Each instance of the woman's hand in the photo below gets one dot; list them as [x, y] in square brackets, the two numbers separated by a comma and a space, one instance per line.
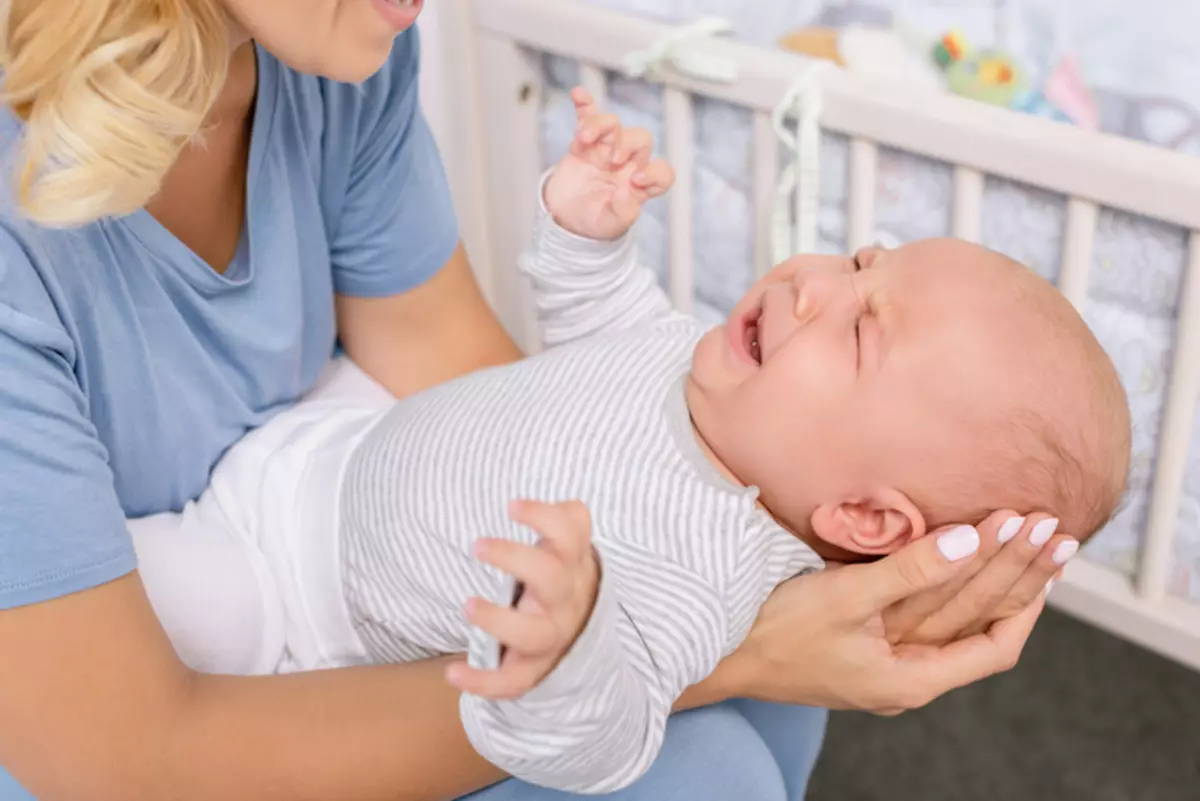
[821, 639]
[1017, 559]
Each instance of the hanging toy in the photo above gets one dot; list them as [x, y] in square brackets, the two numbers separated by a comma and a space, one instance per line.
[950, 49]
[989, 76]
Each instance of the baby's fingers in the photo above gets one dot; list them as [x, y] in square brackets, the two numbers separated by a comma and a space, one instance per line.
[565, 527]
[597, 127]
[655, 179]
[520, 631]
[633, 144]
[510, 682]
[585, 104]
[541, 571]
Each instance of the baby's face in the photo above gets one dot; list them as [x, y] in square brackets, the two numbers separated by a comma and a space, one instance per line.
[852, 388]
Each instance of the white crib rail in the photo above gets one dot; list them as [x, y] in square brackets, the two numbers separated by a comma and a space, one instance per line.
[595, 80]
[1091, 170]
[968, 197]
[510, 90]
[864, 157]
[766, 179]
[680, 135]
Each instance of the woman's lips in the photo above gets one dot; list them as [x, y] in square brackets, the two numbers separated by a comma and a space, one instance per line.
[400, 14]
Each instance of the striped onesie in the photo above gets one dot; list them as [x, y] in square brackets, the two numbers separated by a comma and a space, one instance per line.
[686, 557]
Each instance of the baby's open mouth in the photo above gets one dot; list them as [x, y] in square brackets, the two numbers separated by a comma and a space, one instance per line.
[744, 336]
[751, 336]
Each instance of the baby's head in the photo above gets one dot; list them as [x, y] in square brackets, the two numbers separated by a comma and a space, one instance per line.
[874, 398]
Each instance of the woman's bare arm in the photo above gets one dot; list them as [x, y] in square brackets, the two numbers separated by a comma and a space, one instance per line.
[96, 705]
[436, 332]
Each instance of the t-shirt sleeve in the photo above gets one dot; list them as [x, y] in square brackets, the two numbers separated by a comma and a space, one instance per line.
[396, 226]
[61, 525]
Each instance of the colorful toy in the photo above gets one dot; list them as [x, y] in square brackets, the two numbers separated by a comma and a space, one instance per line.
[950, 49]
[990, 76]
[1067, 91]
[880, 52]
[819, 43]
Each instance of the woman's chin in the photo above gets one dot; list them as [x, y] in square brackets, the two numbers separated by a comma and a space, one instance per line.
[356, 67]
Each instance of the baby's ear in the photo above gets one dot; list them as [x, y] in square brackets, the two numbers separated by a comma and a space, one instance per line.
[873, 526]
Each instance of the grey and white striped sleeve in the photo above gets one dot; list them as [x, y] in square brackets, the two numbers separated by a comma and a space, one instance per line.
[597, 722]
[584, 287]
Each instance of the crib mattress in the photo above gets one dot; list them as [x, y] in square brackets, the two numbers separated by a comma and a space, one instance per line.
[1131, 304]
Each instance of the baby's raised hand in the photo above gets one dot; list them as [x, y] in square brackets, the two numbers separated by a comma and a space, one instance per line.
[559, 577]
[598, 189]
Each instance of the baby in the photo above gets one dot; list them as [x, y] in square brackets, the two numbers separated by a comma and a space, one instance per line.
[842, 411]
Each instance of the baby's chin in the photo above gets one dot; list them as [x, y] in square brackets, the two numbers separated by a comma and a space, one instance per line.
[710, 371]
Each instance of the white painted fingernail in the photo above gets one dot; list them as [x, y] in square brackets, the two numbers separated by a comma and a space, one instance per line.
[1064, 551]
[1050, 585]
[1042, 532]
[959, 543]
[1010, 528]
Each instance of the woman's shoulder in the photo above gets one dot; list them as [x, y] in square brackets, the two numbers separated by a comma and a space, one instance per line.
[26, 287]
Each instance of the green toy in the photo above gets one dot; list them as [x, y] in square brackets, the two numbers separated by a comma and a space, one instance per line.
[990, 76]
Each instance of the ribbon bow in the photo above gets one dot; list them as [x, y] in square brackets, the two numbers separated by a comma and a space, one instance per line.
[803, 175]
[676, 50]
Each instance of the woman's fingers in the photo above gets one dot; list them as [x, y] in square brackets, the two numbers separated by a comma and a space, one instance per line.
[906, 616]
[932, 672]
[1032, 584]
[992, 585]
[929, 562]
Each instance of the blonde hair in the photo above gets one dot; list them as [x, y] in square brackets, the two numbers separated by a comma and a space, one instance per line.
[110, 91]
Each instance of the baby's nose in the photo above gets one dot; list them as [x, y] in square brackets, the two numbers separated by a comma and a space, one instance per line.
[816, 290]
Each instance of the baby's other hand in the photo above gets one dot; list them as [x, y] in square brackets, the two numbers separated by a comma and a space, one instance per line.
[559, 576]
[598, 189]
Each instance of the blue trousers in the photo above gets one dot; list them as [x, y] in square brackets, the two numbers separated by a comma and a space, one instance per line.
[737, 750]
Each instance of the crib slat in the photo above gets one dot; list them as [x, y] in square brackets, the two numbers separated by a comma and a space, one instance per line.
[1175, 436]
[680, 124]
[968, 199]
[766, 176]
[864, 157]
[595, 80]
[1077, 251]
[510, 90]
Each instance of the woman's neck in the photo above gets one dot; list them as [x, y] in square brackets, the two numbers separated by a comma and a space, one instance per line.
[233, 106]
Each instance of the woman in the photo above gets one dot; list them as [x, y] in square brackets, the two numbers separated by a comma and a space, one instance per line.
[162, 292]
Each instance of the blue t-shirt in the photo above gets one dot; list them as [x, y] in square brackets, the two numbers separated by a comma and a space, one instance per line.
[128, 366]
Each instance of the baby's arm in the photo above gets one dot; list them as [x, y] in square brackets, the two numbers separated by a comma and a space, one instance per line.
[595, 722]
[584, 262]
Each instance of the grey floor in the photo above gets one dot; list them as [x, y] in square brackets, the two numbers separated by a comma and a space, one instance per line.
[1085, 717]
